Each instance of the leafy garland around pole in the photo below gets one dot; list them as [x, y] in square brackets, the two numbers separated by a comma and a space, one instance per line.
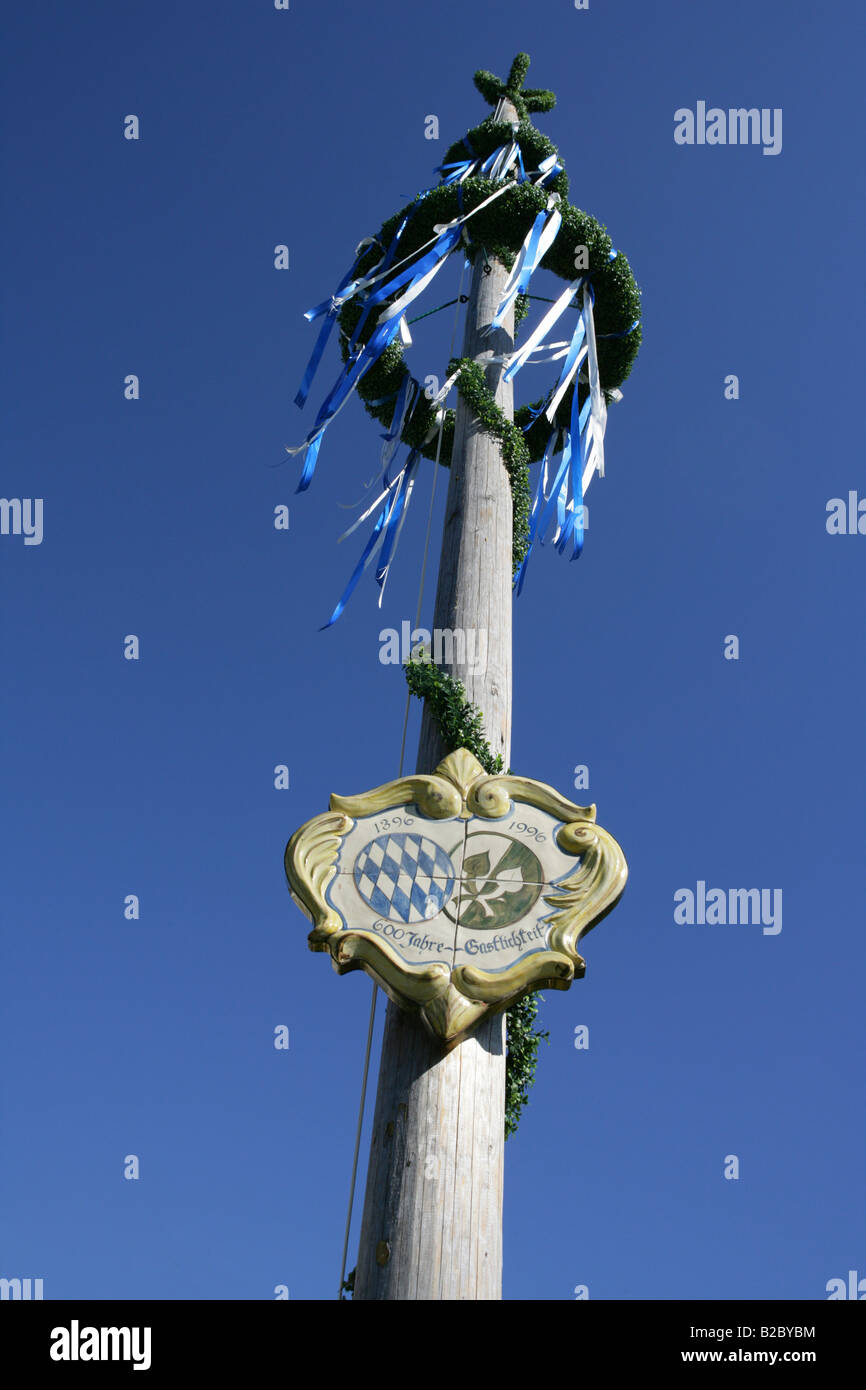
[460, 725]
[515, 451]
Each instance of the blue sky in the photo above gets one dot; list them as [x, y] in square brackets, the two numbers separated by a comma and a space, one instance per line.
[155, 777]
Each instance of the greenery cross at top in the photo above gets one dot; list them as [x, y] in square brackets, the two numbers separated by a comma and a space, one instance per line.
[493, 89]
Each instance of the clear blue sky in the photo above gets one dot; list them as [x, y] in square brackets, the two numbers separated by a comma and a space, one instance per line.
[155, 777]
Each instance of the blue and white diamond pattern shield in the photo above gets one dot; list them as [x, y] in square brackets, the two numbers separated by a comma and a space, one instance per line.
[407, 878]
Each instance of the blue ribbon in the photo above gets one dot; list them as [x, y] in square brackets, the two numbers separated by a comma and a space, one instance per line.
[553, 503]
[330, 308]
[392, 438]
[534, 514]
[624, 334]
[528, 267]
[383, 334]
[388, 522]
[451, 172]
[574, 526]
[571, 356]
[394, 519]
[445, 242]
[388, 258]
[345, 384]
[534, 414]
[358, 570]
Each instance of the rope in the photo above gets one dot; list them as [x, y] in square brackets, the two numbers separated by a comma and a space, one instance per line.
[461, 299]
[358, 1138]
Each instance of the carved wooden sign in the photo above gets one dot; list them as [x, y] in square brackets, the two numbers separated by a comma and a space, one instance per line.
[458, 892]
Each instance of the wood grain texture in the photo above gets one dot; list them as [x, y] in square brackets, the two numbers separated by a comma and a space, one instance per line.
[474, 588]
[432, 1222]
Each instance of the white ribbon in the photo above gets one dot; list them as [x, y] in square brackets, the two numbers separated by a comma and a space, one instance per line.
[390, 446]
[400, 525]
[443, 392]
[372, 507]
[503, 162]
[545, 241]
[563, 386]
[598, 410]
[518, 358]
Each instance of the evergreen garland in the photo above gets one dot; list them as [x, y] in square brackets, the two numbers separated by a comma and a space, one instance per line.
[460, 724]
[473, 387]
[458, 721]
[521, 1057]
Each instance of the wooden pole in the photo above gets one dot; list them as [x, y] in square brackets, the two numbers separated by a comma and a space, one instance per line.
[432, 1223]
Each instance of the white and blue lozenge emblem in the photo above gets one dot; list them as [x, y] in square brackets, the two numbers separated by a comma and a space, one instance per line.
[407, 878]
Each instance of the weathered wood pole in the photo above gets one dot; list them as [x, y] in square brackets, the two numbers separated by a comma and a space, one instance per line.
[432, 1223]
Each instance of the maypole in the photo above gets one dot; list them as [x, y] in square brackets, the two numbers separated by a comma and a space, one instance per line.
[462, 888]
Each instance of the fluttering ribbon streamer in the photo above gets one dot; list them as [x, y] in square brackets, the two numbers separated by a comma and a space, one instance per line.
[387, 290]
[574, 357]
[538, 500]
[556, 502]
[330, 308]
[497, 165]
[518, 359]
[598, 414]
[539, 239]
[395, 521]
[405, 401]
[548, 170]
[386, 533]
[418, 274]
[395, 499]
[340, 394]
[569, 514]
[583, 447]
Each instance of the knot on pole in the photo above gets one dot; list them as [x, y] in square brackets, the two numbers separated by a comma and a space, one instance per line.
[524, 100]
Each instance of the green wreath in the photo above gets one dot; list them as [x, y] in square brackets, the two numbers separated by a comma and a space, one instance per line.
[500, 230]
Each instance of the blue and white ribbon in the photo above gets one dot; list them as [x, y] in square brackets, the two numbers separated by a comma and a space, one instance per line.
[518, 359]
[418, 274]
[537, 504]
[330, 308]
[385, 536]
[574, 358]
[598, 412]
[340, 394]
[497, 164]
[539, 239]
[547, 170]
[583, 447]
[406, 398]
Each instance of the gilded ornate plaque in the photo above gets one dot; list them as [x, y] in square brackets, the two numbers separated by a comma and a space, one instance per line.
[457, 892]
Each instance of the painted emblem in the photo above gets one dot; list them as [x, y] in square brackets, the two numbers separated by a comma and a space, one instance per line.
[500, 882]
[484, 900]
[406, 878]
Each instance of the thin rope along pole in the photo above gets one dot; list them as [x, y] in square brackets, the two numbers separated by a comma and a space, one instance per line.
[399, 774]
[358, 1138]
